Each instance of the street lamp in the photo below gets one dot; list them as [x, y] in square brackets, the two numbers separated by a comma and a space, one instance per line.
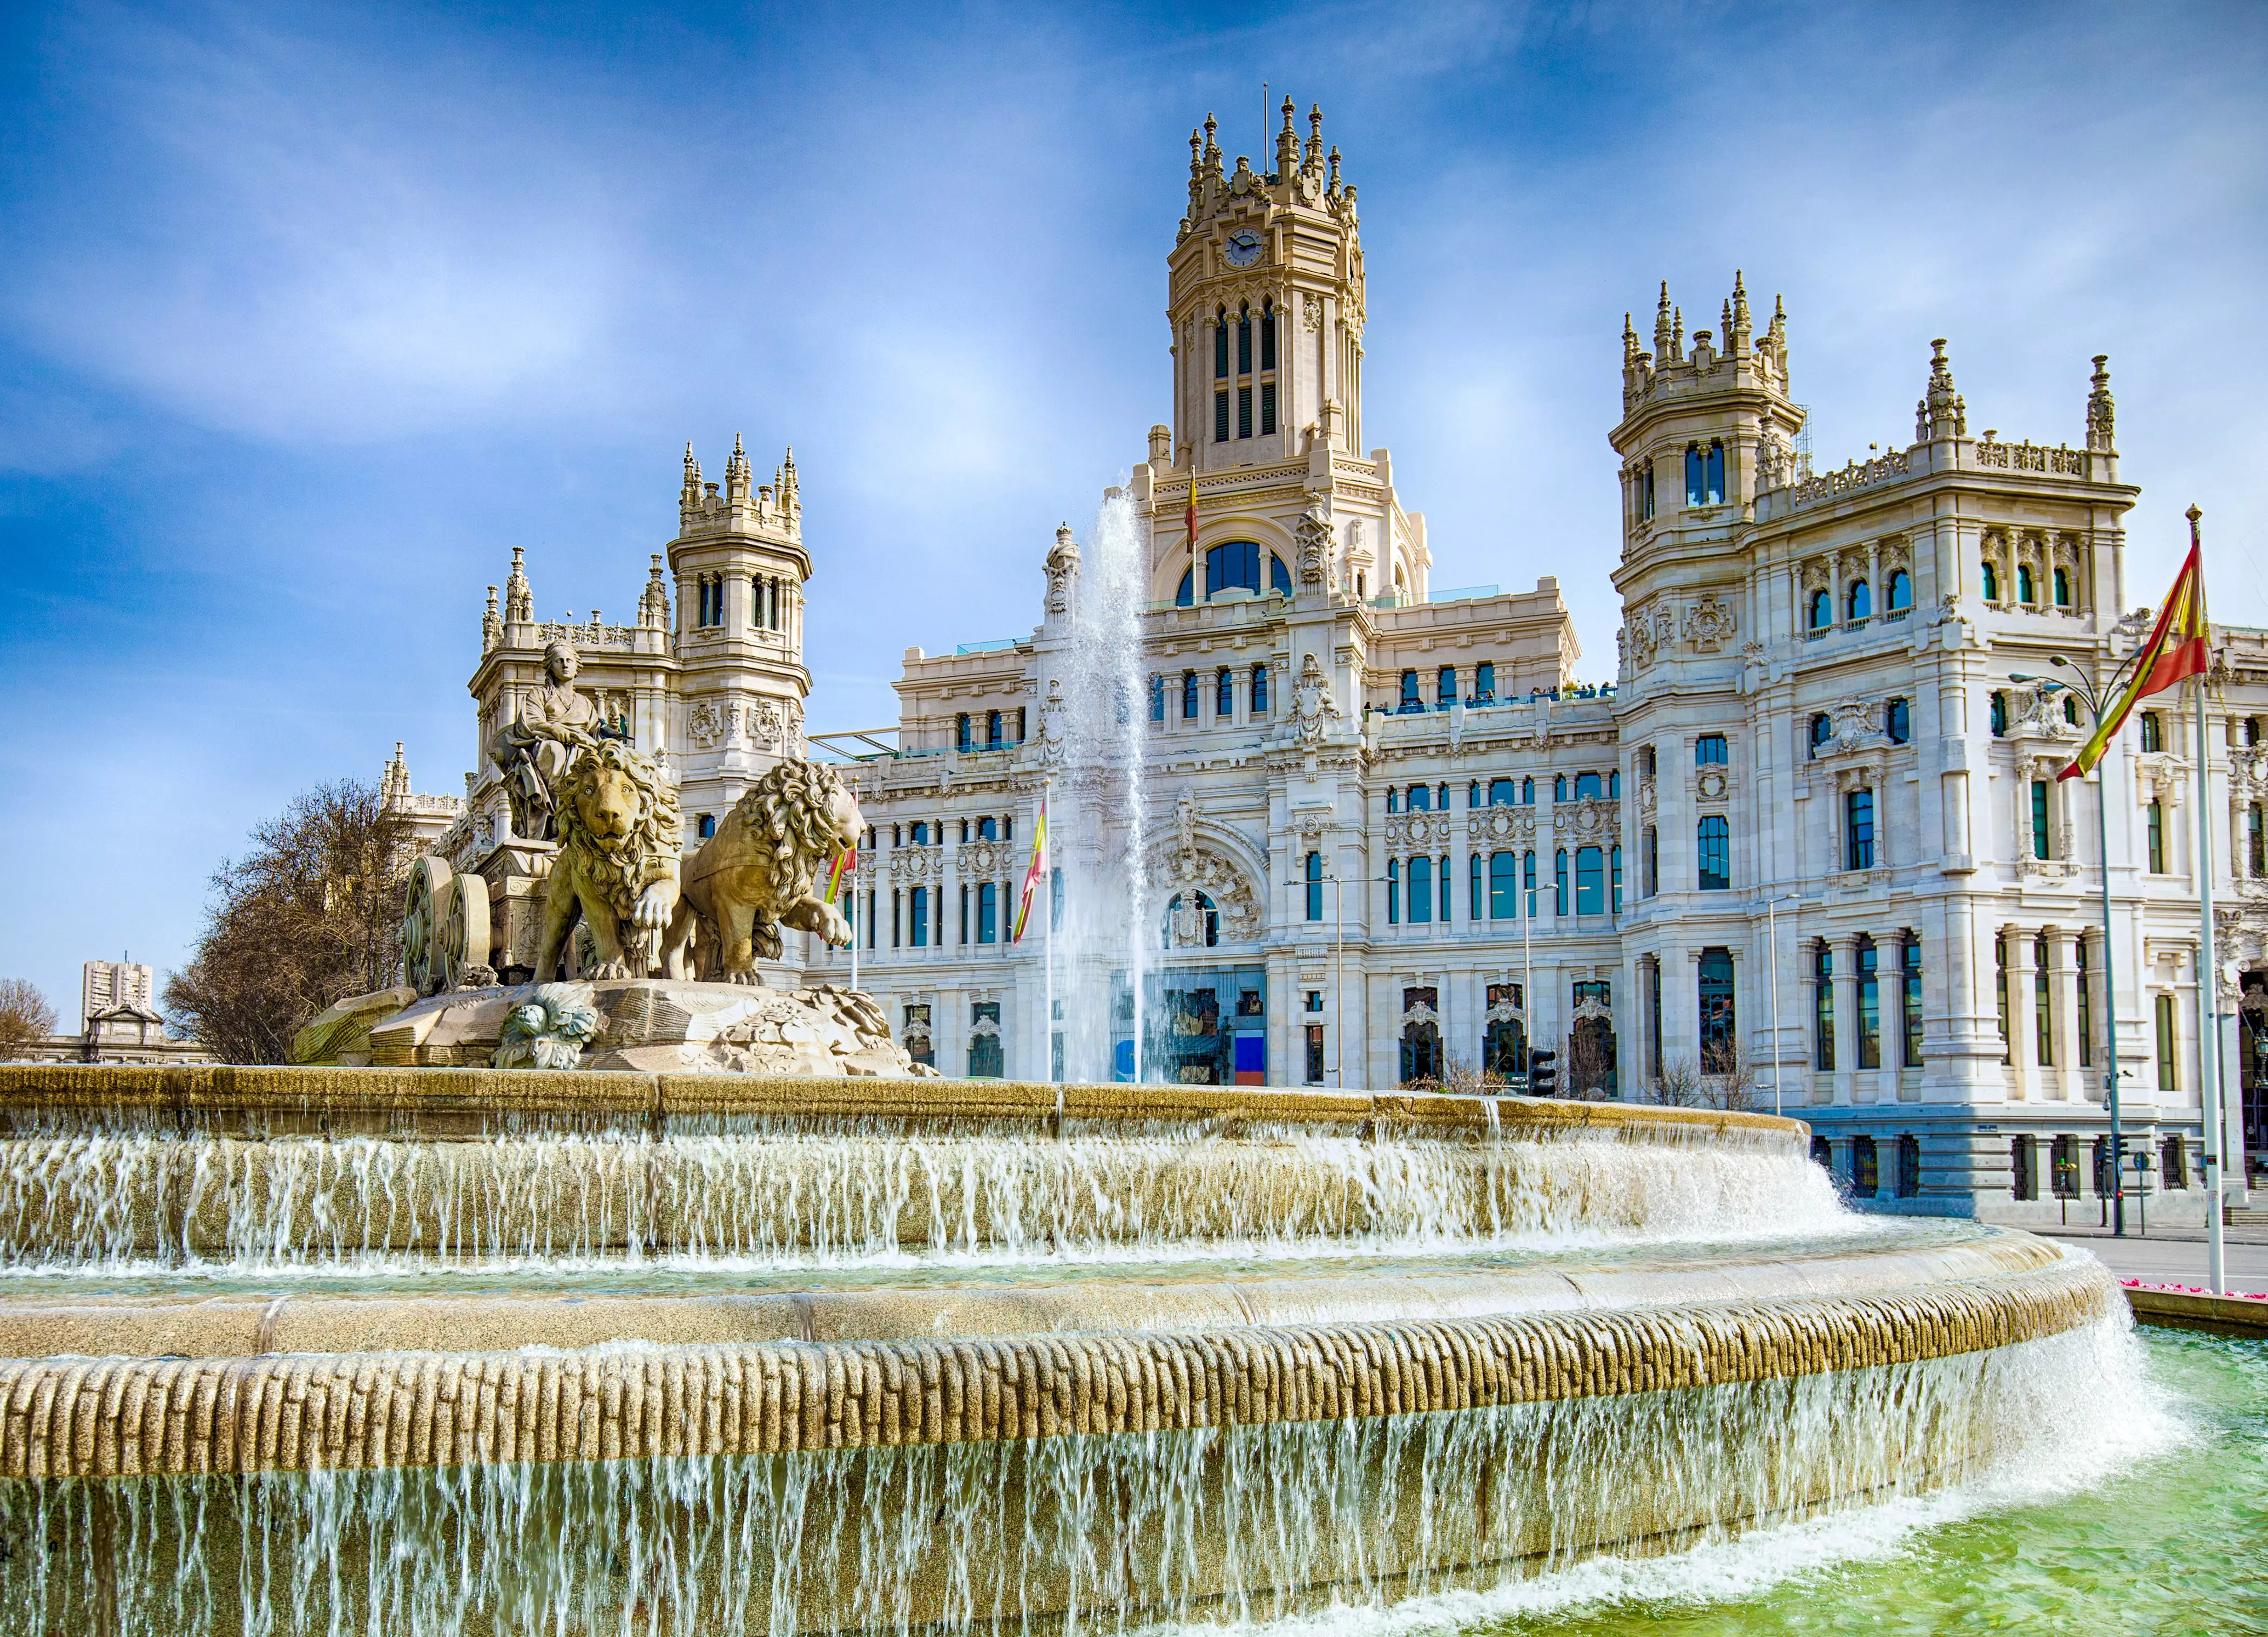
[2097, 700]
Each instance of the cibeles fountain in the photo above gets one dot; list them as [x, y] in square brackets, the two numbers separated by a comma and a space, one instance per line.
[645, 1298]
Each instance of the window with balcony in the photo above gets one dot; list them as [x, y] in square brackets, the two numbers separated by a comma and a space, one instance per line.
[1485, 682]
[1858, 603]
[1900, 592]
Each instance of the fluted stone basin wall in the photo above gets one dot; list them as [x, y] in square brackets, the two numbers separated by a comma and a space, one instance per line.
[306, 1350]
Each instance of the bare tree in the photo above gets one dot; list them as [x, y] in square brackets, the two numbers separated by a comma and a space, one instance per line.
[1728, 1080]
[26, 1017]
[1461, 1079]
[1585, 1061]
[1678, 1084]
[311, 914]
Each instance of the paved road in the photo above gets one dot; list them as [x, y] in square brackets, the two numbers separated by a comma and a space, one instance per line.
[2167, 1260]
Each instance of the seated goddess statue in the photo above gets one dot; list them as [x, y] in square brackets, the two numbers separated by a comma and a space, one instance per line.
[533, 750]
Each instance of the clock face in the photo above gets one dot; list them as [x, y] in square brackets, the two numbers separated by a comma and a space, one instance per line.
[1243, 247]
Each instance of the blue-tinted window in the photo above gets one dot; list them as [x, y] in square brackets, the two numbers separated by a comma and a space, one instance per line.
[1233, 564]
[1615, 858]
[1183, 594]
[1822, 610]
[1696, 476]
[1709, 750]
[1189, 695]
[991, 730]
[1559, 787]
[1157, 697]
[919, 834]
[1279, 577]
[1259, 691]
[1590, 881]
[1503, 884]
[1901, 592]
[1410, 699]
[1560, 881]
[1822, 729]
[988, 829]
[1897, 721]
[1485, 682]
[1393, 891]
[1859, 603]
[1502, 793]
[1589, 787]
[919, 905]
[987, 912]
[1224, 692]
[1421, 889]
[1715, 481]
[960, 731]
[1445, 687]
[1715, 839]
[1858, 829]
[1421, 798]
[705, 825]
[1393, 799]
[1315, 886]
[1527, 792]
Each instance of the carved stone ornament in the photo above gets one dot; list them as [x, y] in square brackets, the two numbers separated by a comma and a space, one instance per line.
[1314, 534]
[1187, 866]
[1710, 784]
[1054, 728]
[1421, 1016]
[2036, 712]
[1313, 708]
[1591, 1006]
[981, 858]
[1314, 823]
[1650, 630]
[1710, 623]
[1501, 824]
[1311, 312]
[1504, 1012]
[1063, 571]
[1854, 731]
[1587, 821]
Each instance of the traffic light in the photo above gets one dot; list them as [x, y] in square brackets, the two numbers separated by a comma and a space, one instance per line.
[1543, 1073]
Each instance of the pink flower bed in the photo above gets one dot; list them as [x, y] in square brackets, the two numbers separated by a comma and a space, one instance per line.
[2194, 1290]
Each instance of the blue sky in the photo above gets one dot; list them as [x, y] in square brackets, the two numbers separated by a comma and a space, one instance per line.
[309, 315]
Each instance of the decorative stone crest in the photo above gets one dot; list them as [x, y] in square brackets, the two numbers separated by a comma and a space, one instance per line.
[1591, 820]
[1710, 623]
[1501, 824]
[1055, 732]
[549, 1027]
[1591, 1006]
[1313, 708]
[1186, 867]
[708, 723]
[1854, 731]
[1314, 534]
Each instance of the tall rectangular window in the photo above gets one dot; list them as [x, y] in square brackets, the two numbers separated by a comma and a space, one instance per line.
[2085, 1002]
[1445, 687]
[1484, 683]
[2039, 818]
[1259, 691]
[1189, 695]
[920, 912]
[1559, 882]
[1449, 886]
[1244, 411]
[1503, 884]
[1220, 416]
[987, 912]
[1315, 886]
[2000, 988]
[1267, 408]
[1224, 693]
[2256, 839]
[1244, 344]
[1858, 829]
[1822, 1007]
[1865, 1173]
[1527, 880]
[1910, 965]
[2042, 1005]
[1590, 881]
[1870, 1006]
[1719, 1038]
[1650, 867]
[1421, 888]
[1314, 1054]
[2165, 1016]
[1715, 837]
[2155, 814]
[1474, 911]
[1615, 879]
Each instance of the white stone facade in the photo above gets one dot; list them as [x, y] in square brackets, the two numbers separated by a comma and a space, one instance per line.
[1812, 758]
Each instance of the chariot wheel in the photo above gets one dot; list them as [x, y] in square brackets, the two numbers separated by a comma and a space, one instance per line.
[464, 935]
[425, 906]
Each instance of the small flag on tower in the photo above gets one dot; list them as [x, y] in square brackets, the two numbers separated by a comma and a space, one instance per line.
[2180, 647]
[1032, 875]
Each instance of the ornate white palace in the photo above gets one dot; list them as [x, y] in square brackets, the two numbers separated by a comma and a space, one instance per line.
[1809, 839]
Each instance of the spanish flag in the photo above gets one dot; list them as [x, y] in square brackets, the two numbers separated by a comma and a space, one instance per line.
[846, 863]
[2179, 647]
[1032, 875]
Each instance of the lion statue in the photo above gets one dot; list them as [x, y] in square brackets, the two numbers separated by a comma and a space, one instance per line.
[616, 867]
[759, 872]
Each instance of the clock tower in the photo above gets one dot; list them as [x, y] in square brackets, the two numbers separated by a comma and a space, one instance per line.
[1266, 302]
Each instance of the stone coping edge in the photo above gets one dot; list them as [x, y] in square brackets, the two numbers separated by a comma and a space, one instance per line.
[2183, 1309]
[213, 1096]
[100, 1417]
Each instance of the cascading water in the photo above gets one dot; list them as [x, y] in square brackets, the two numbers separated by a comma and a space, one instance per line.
[1120, 1367]
[1102, 782]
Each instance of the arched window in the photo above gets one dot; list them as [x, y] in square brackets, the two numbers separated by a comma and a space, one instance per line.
[1259, 691]
[1859, 603]
[2023, 582]
[1716, 475]
[1473, 793]
[1421, 888]
[1279, 577]
[1189, 695]
[1220, 343]
[1233, 564]
[1197, 913]
[1244, 341]
[1822, 729]
[1157, 697]
[1315, 886]
[2071, 709]
[1267, 362]
[1997, 714]
[1714, 838]
[988, 829]
[1558, 786]
[1485, 682]
[1897, 721]
[1224, 692]
[1503, 884]
[1822, 610]
[2063, 588]
[1421, 799]
[1527, 792]
[1991, 583]
[1409, 700]
[1588, 787]
[1901, 592]
[1184, 593]
[1502, 792]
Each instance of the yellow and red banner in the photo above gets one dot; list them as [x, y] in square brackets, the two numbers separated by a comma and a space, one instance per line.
[846, 863]
[2180, 647]
[1032, 875]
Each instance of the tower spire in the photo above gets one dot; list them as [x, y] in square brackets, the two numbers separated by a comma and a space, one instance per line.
[1941, 413]
[1287, 146]
[1662, 350]
[1742, 328]
[688, 497]
[1315, 161]
[2101, 413]
[518, 600]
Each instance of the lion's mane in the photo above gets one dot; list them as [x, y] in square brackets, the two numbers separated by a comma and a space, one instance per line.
[622, 868]
[786, 815]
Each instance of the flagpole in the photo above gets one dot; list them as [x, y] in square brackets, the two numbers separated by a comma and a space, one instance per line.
[1048, 949]
[2208, 980]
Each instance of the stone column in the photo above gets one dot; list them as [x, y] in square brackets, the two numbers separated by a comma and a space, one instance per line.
[2015, 948]
[1846, 1018]
[2068, 1079]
